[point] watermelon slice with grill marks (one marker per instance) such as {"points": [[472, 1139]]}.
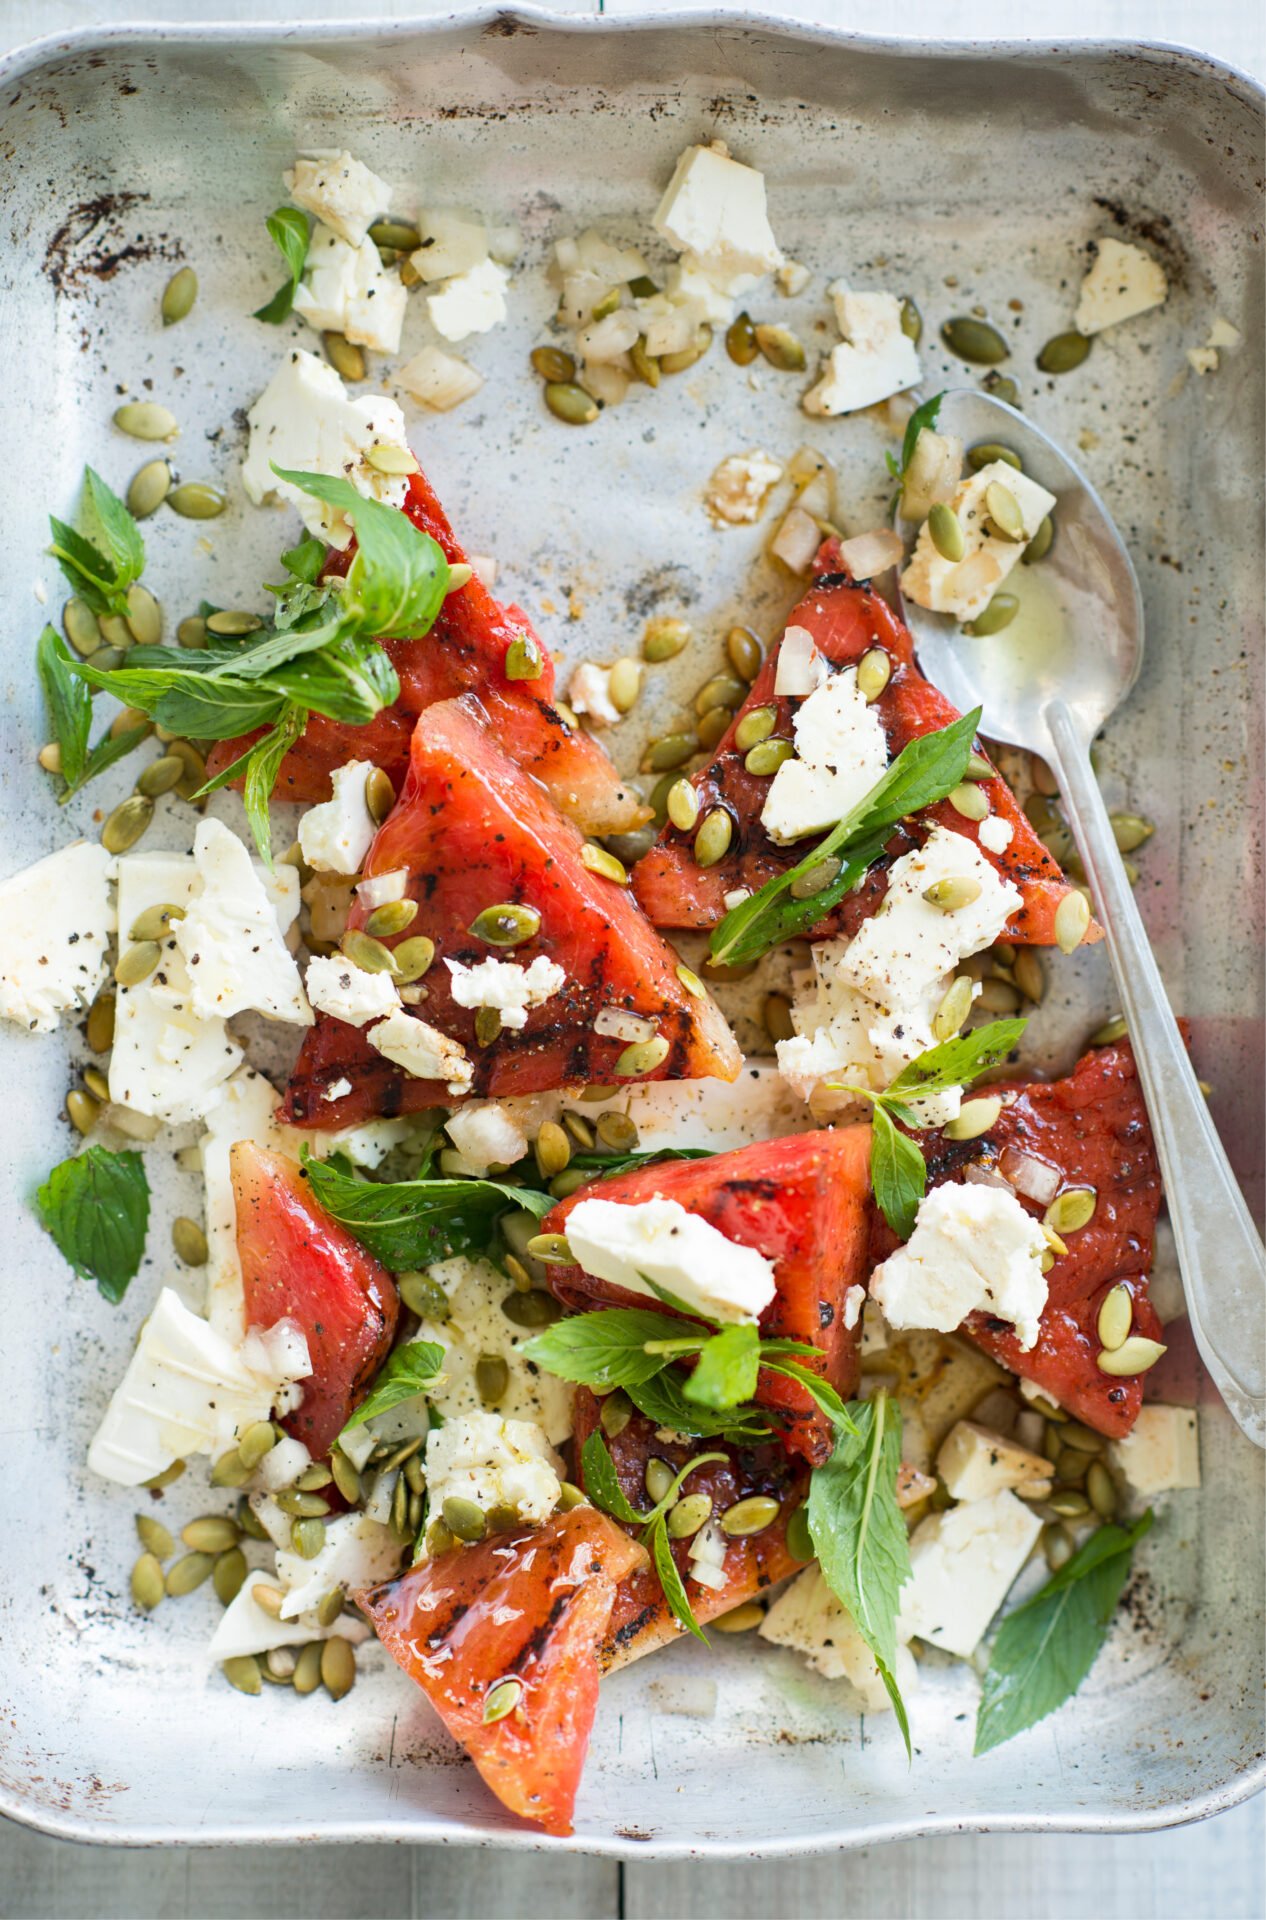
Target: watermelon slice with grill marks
{"points": [[846, 619]]}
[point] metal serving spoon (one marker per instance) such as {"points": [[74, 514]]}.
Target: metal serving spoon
{"points": [[1048, 684]]}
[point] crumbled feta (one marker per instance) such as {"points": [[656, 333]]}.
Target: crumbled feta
{"points": [[659, 1240], [335, 836], [306, 420], [809, 1619], [474, 1327], [494, 1462], [56, 919], [282, 1465], [186, 1390], [963, 1563], [1161, 1452], [358, 1552], [487, 1134], [368, 1144], [975, 1462], [973, 1249], [909, 944], [506, 985], [346, 289], [349, 993], [739, 487], [854, 1301], [1223, 334], [874, 360], [381, 889], [588, 692], [706, 1554], [792, 278], [244, 1111], [995, 834], [1124, 281], [695, 291], [471, 302], [340, 191], [735, 898], [801, 669], [965, 587], [841, 751], [714, 208], [452, 243], [438, 379], [246, 1628], [230, 940], [423, 1051], [671, 321], [608, 339]]}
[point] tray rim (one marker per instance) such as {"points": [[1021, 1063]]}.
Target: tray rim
{"points": [[29, 58]]}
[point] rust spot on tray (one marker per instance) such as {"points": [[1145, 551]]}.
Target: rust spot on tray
{"points": [[91, 244]]}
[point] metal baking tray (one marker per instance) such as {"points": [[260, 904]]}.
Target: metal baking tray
{"points": [[963, 175]]}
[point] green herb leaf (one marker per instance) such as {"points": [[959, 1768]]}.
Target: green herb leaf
{"points": [[107, 750], [69, 704], [925, 770], [670, 1580], [306, 561], [191, 702], [100, 575], [1045, 1648], [123, 543], [924, 416], [859, 1534], [957, 1062], [606, 1165], [289, 231], [898, 1174], [820, 1391], [662, 1400], [727, 1368], [96, 1206], [262, 763], [602, 1482], [85, 571], [604, 1349], [409, 1371], [399, 575], [410, 1223]]}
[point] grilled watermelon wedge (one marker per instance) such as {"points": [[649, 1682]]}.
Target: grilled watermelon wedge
{"points": [[1092, 1129], [803, 1202], [846, 619], [473, 831], [465, 652], [531, 1607]]}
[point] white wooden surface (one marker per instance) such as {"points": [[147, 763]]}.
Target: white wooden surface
{"points": [[1209, 1872]]}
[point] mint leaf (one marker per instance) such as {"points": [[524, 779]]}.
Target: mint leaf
{"points": [[605, 1349], [820, 1391], [399, 575], [289, 231], [190, 701], [662, 1400], [305, 561], [409, 1371], [410, 1223], [606, 1165], [1047, 1646], [957, 1062], [898, 1174], [727, 1368], [107, 750], [262, 764], [100, 575], [96, 1206], [122, 536], [859, 1534], [670, 1580], [602, 1482], [924, 416], [69, 704]]}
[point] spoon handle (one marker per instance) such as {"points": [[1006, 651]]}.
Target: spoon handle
{"points": [[1221, 1256]]}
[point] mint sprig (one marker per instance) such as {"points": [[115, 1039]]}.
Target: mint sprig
{"points": [[96, 1206], [411, 1223], [289, 232], [602, 1484], [99, 570], [409, 1371]]}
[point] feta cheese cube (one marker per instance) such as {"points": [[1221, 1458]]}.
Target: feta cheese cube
{"points": [[792, 278], [809, 1619], [995, 834], [973, 1249], [963, 1564], [1223, 334], [452, 243], [56, 919], [335, 836], [841, 751], [714, 207], [230, 940], [801, 669], [1161, 1452], [381, 889], [1124, 281], [438, 379], [348, 992], [588, 693], [739, 487], [975, 1462], [506, 985], [615, 265], [474, 1327], [368, 1144], [186, 1390], [487, 1134], [496, 1463], [965, 587], [306, 420], [471, 302], [358, 1552], [669, 324], [1202, 360], [422, 1050], [340, 191], [245, 1627], [347, 290], [659, 1240], [874, 360]]}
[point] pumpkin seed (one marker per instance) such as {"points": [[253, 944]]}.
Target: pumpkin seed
{"points": [[679, 362], [744, 652], [413, 958], [669, 751], [536, 1308], [598, 860], [1029, 975], [147, 1584], [232, 623], [161, 776], [518, 1272], [116, 631], [768, 756], [1100, 1491], [799, 1539], [230, 1470], [307, 1674], [277, 1666], [137, 963], [974, 341], [1070, 1465], [400, 1506], [391, 918], [740, 341], [911, 321], [1069, 1504], [659, 1478], [395, 233], [571, 404], [643, 1056], [1116, 1316], [978, 768], [553, 364], [1135, 1355], [657, 799], [969, 801], [97, 1084], [127, 823], [346, 358], [1072, 1209], [338, 1667], [1041, 543], [313, 1478], [691, 982], [757, 724], [346, 1477], [617, 1132], [1057, 1546], [178, 296], [524, 660], [1072, 920], [422, 1295], [989, 452], [1083, 1439], [79, 623], [154, 1536], [1064, 352], [195, 768], [752, 1515], [148, 488], [307, 1533], [580, 1130], [301, 1505], [712, 843], [488, 1024], [998, 996], [189, 1241], [146, 420], [776, 1014], [388, 458], [1002, 507], [945, 532], [330, 1606], [1002, 387], [955, 891], [974, 1118], [380, 795], [552, 1248], [713, 727], [81, 1110], [197, 500], [723, 690], [105, 659], [1130, 830], [50, 757], [664, 639], [192, 633], [258, 1439], [492, 1379], [818, 877], [228, 1575], [624, 684], [166, 1477], [367, 953], [464, 1520], [189, 1572], [645, 365], [1000, 612], [781, 348], [683, 805], [552, 1149], [501, 1700], [99, 1027], [954, 1008], [242, 1672], [615, 1413], [507, 925], [874, 671]]}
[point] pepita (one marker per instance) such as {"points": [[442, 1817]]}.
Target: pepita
{"points": [[758, 723], [1069, 1504], [307, 1535], [740, 341], [978, 768], [954, 1008], [969, 801], [744, 652], [338, 1667], [781, 348], [571, 404], [712, 842], [1000, 612], [146, 420], [768, 756], [642, 1057], [713, 727], [508, 925], [799, 1539], [492, 1379], [488, 1025], [1082, 1439], [1130, 830], [97, 1084], [115, 631], [580, 1130], [124, 827], [1071, 1210], [99, 1027], [686, 358], [380, 795], [974, 1118], [691, 982], [147, 1583], [192, 633], [189, 1241], [154, 1536], [998, 996], [1002, 507], [137, 963], [617, 1132], [1134, 1356], [1001, 387], [815, 879], [178, 296], [723, 690], [82, 1110], [1057, 1546], [233, 623], [300, 1505], [397, 461], [552, 1248], [624, 684], [553, 364], [1063, 352], [148, 488], [874, 671], [552, 1149], [413, 958], [659, 1478], [535, 1308], [664, 638], [399, 234], [1100, 1491], [1041, 543], [160, 776], [974, 341], [278, 1666], [313, 1478], [423, 1295], [195, 768], [524, 659], [1071, 1464], [367, 953], [228, 1575], [257, 1440], [197, 500], [346, 358], [615, 1413], [683, 805], [330, 1606], [307, 1674], [776, 1014], [79, 623], [752, 1515], [1116, 1316], [501, 1700], [1030, 976], [464, 1519], [645, 365], [346, 1477], [945, 532], [669, 751], [391, 918], [166, 1478], [911, 320], [598, 860], [1072, 921], [952, 893], [230, 1470], [189, 1572]]}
